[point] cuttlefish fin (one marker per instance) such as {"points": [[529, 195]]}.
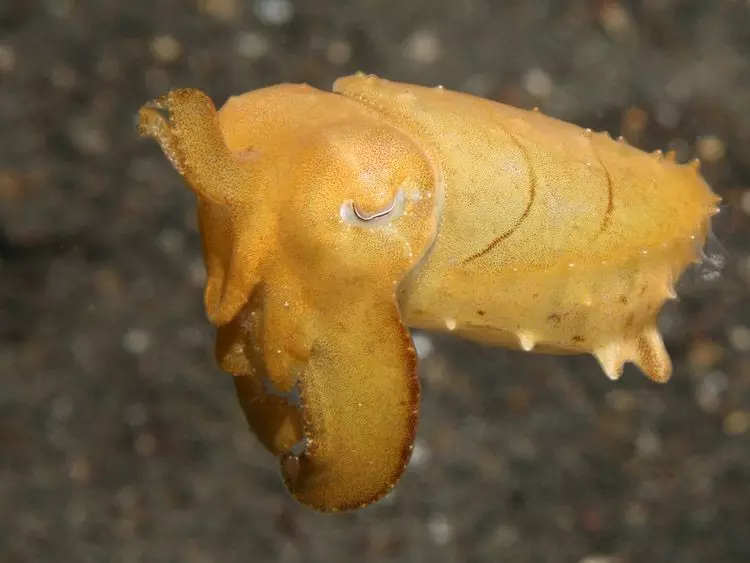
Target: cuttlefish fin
{"points": [[360, 399]]}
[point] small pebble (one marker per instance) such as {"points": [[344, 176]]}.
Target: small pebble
{"points": [[635, 515], [667, 115], [88, 137], [197, 272], [136, 341], [251, 46], [63, 77], [79, 470], [339, 52], [710, 390], [739, 338], [711, 149], [60, 8], [704, 354], [165, 48], [136, 415], [145, 444], [617, 21], [648, 444], [7, 58], [538, 83], [505, 536], [170, 241], [222, 10], [634, 123], [423, 47], [621, 401], [737, 423], [274, 12], [743, 268], [62, 408], [600, 559], [745, 202], [440, 528]]}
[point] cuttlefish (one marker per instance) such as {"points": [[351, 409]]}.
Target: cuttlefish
{"points": [[332, 221]]}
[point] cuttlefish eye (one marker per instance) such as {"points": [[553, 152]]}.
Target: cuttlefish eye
{"points": [[352, 215]]}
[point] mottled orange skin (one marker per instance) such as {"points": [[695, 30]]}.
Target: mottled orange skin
{"points": [[332, 221]]}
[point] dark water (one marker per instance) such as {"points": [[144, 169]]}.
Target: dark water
{"points": [[121, 441]]}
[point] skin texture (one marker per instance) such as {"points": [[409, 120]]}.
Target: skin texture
{"points": [[331, 222]]}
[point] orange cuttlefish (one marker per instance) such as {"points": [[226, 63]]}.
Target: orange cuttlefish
{"points": [[332, 221]]}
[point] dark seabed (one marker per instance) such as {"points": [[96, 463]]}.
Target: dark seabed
{"points": [[120, 440]]}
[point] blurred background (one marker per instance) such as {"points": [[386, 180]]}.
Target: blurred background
{"points": [[120, 440]]}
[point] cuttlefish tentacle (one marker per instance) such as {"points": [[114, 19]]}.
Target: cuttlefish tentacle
{"points": [[274, 419], [270, 407], [359, 422]]}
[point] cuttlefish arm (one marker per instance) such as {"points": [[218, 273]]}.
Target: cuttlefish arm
{"points": [[233, 217], [306, 244], [359, 394]]}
